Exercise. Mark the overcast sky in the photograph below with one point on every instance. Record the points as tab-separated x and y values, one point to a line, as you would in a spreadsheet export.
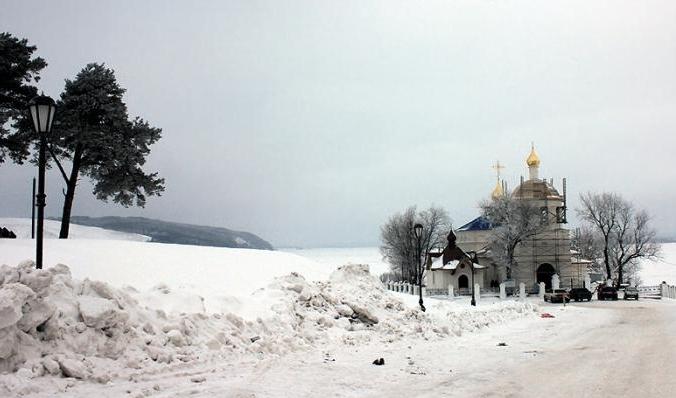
309	123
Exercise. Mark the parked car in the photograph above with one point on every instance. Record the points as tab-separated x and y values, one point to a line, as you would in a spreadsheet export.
606	292
557	296
630	292
580	294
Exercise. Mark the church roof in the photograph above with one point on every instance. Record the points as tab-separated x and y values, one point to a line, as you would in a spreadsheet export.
438	264
536	189
478	224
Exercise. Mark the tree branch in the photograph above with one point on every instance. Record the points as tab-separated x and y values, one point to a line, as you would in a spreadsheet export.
56	160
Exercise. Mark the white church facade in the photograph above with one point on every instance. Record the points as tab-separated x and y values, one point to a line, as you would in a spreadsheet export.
539	258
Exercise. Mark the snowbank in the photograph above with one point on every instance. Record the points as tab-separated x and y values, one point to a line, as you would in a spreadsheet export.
22	228
52	324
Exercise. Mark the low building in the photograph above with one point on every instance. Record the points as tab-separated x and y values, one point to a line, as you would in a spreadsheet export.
452	267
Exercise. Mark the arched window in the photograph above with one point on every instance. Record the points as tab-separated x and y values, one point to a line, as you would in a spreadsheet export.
463	282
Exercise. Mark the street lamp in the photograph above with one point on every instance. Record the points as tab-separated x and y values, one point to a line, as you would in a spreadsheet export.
472	260
417	231
42	110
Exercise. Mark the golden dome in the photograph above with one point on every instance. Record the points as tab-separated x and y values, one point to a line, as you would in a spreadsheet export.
533	158
497	191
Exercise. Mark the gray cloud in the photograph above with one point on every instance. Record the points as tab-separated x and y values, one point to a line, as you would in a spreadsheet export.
309	123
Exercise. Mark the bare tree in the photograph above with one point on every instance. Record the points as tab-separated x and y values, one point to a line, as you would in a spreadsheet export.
513	222
625	233
600	211
633	239
399	245
588	243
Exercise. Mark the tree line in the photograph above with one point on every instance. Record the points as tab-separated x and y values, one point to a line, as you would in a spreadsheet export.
92	134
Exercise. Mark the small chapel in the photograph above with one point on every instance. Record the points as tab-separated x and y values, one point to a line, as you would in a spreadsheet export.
545	257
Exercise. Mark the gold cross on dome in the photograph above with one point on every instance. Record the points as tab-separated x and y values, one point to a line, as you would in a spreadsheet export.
498	168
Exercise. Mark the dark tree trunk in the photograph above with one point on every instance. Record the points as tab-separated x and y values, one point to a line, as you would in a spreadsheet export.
70	193
606	260
620	275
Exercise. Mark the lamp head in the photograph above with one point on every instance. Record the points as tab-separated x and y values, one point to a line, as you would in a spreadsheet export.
417	230
42	109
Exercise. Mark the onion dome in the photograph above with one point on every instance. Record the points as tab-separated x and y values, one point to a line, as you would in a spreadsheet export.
533	159
497	191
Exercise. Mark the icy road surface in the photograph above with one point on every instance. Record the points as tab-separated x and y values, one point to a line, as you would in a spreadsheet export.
588	350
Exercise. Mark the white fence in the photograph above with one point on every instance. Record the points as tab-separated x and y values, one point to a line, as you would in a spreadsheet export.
667	291
657	291
405	287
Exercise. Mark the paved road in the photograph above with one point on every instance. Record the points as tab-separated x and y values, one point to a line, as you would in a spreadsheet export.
634	354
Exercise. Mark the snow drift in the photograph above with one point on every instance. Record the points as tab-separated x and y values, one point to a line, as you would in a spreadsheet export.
52	324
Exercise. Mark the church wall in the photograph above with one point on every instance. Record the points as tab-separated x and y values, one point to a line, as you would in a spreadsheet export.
440	279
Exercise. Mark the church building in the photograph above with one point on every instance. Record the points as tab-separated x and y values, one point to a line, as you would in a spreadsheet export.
539	258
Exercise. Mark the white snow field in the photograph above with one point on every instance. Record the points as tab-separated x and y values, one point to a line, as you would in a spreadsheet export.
664	269
70	329
22	228
335	257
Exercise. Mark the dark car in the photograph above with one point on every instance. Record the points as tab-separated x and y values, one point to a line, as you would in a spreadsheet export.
606	293
580	294
557	295
631	292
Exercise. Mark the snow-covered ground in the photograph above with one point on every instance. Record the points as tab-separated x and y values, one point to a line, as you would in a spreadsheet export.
22	228
192	306
335	257
175	277
140	319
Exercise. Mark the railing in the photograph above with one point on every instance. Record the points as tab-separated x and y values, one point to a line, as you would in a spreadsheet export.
650	291
667	291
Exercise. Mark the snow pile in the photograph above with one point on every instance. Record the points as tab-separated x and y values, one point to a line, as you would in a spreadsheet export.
52	324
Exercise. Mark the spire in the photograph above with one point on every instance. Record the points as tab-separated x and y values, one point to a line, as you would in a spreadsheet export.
498	191
533	162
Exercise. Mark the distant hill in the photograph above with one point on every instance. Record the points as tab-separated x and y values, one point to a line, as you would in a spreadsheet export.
172	232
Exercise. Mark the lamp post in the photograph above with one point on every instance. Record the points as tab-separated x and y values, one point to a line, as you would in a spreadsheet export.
42	110
472	259
417	231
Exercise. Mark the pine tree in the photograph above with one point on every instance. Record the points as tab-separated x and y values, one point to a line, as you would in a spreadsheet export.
92	129
18	72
